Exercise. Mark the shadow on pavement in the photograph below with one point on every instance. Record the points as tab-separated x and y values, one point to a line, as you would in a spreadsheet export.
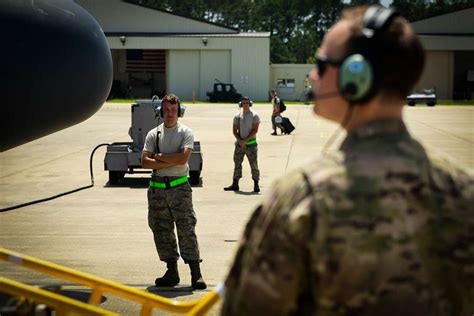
246	193
177	291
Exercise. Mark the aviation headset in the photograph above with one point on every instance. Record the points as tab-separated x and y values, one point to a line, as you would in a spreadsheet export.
359	73
245	98
181	109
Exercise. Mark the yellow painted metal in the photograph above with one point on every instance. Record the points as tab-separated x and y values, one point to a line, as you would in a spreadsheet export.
98	285
96	295
204	304
63	305
146	310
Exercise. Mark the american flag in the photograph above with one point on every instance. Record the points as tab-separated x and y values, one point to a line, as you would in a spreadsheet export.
146	60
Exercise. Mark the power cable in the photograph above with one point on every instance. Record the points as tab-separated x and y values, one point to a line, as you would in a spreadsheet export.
61	194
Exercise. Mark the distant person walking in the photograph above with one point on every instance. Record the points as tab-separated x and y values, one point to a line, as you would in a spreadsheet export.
276	110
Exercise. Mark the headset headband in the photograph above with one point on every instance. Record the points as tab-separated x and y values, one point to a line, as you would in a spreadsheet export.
359	74
376	19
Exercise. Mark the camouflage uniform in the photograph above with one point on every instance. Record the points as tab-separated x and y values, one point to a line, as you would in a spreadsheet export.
245	121
251	151
378	228
169	206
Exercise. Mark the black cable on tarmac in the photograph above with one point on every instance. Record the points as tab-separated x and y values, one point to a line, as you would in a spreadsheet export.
61	194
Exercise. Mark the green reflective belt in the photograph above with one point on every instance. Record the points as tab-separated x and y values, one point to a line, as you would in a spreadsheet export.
171	184
251	142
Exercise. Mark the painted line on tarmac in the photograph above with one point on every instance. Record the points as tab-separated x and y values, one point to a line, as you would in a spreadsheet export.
442	130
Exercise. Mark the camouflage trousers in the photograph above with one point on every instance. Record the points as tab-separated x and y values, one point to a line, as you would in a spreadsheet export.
167	208
251	153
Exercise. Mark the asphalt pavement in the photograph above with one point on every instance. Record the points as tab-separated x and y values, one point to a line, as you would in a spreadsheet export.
103	230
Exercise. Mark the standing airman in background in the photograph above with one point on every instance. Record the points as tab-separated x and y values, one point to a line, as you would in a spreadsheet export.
379	227
245	129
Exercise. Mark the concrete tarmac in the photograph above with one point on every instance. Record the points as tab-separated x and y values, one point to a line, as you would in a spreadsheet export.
103	230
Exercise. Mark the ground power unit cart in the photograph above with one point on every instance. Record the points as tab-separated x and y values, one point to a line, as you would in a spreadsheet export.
125	157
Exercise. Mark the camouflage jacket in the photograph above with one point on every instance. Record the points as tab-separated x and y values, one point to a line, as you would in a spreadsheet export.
378	228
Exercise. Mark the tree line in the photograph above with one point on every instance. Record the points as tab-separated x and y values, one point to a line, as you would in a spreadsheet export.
296	26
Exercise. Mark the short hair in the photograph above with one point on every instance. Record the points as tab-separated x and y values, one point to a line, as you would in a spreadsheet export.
274	91
171	99
245	99
402	55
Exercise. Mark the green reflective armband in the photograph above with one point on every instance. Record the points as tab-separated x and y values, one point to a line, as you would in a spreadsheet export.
251	142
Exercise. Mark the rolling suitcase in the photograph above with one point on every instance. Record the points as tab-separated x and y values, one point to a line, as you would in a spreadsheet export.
287	126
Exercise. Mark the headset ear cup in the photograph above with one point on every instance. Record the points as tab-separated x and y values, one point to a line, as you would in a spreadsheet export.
350	89
182	110
356	78
240	104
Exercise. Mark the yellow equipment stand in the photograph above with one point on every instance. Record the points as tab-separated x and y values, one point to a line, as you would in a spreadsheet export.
98	286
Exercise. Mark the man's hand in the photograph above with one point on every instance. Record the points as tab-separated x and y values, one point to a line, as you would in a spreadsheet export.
242	144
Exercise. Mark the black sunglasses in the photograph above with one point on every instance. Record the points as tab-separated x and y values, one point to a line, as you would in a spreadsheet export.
322	62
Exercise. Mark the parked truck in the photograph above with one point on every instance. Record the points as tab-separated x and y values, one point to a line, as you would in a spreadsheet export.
224	92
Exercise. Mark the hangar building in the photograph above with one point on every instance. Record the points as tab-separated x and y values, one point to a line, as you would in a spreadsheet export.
449	43
155	51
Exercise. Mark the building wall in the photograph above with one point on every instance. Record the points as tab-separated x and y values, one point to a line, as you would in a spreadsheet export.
441	63
215	64
463	76
296	72
446	42
438	73
195	71
242	60
184	73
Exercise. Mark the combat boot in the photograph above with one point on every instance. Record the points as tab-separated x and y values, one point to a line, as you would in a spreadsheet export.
171	276
256	188
234	186
197	281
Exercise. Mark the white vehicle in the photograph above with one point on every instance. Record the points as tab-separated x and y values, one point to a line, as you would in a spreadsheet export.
428	96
